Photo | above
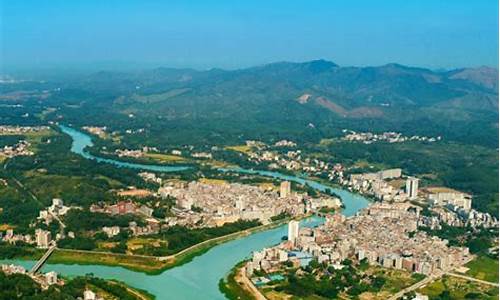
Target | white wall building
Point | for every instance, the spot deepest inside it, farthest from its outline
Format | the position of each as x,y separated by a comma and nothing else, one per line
412,187
43,238
293,231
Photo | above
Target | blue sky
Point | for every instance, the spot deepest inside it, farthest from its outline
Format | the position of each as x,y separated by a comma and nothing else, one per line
234,34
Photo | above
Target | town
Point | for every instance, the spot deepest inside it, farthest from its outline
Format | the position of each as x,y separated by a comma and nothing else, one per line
217,204
390,137
446,205
197,205
384,234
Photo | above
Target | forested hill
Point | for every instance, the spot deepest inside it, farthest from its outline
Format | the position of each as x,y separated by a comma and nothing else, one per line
307,100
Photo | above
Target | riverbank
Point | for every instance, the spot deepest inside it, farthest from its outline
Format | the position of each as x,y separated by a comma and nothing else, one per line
150,265
196,272
237,286
139,294
197,280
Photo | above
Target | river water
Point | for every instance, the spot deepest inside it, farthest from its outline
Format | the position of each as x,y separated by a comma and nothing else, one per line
199,278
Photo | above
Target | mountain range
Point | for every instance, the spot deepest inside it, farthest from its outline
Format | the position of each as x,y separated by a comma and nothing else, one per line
295,98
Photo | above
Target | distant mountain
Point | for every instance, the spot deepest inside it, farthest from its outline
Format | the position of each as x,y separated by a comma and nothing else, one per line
288,97
483,76
391,85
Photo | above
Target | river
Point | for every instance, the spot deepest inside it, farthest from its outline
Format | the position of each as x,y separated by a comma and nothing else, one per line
199,278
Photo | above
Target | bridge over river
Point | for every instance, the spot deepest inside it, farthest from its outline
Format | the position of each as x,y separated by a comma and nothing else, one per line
39,264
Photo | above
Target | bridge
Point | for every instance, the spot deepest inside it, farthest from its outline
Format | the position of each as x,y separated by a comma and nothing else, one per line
42,260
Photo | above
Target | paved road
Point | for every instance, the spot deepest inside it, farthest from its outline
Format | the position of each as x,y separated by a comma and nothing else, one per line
434,277
472,279
248,285
21,185
416,286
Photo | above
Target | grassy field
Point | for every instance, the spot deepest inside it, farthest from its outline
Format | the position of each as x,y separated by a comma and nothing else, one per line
216,163
165,158
76,190
135,263
231,288
140,243
139,294
35,138
484,268
239,148
4,227
106,245
154,98
459,289
396,280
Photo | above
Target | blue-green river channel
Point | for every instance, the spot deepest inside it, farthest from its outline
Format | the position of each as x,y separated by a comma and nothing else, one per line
199,278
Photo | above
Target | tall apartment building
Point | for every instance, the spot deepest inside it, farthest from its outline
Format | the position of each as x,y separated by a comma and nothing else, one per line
285,189
293,231
412,187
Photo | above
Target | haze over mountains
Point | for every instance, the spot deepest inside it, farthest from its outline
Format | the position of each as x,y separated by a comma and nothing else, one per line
315,98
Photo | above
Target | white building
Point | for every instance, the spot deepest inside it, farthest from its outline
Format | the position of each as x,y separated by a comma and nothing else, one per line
420,297
293,231
412,187
389,173
51,278
57,202
111,231
444,197
43,238
57,208
89,295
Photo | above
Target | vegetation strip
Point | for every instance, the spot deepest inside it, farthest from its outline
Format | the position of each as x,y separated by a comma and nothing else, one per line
144,263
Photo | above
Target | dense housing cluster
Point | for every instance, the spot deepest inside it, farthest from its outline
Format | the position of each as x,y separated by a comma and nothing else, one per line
384,234
202,204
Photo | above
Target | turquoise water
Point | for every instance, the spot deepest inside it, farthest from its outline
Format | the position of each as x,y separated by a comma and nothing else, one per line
199,278
352,202
82,140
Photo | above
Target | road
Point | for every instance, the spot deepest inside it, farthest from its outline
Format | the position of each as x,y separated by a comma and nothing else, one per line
21,185
434,277
416,286
472,279
246,284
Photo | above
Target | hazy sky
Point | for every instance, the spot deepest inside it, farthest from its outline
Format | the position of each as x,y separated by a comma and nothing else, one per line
233,34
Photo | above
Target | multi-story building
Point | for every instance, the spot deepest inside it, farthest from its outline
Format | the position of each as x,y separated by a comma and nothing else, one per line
293,231
285,189
412,187
444,196
43,238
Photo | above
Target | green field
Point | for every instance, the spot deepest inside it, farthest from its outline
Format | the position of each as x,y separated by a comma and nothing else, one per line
231,288
457,289
239,148
484,268
164,157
